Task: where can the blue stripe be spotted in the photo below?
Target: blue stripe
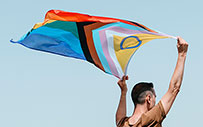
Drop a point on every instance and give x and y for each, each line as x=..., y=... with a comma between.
x=60, y=35
x=49, y=44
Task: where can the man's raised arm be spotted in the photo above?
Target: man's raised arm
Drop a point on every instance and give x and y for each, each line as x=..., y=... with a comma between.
x=121, y=111
x=176, y=80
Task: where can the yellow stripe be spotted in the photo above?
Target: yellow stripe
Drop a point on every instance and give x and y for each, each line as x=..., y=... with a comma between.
x=41, y=24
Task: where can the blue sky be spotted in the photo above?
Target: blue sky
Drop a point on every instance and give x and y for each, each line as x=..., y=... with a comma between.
x=39, y=89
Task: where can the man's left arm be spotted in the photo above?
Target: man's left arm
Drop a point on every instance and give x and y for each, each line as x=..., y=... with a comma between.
x=121, y=111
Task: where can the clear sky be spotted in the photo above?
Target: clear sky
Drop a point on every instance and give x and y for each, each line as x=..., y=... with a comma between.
x=39, y=89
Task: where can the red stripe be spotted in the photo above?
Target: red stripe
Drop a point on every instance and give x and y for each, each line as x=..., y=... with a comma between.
x=78, y=17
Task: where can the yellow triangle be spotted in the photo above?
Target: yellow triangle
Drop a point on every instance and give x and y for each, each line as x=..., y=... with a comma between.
x=126, y=46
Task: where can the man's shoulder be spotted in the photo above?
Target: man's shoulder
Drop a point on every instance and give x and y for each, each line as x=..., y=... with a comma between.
x=156, y=114
x=152, y=117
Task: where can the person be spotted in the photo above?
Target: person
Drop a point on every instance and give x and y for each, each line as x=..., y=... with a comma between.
x=146, y=113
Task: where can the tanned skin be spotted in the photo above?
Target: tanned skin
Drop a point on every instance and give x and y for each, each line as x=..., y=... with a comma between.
x=167, y=100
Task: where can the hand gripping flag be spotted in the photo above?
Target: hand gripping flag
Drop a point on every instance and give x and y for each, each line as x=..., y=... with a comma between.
x=108, y=43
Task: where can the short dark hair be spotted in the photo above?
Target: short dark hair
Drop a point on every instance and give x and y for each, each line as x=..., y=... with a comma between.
x=139, y=92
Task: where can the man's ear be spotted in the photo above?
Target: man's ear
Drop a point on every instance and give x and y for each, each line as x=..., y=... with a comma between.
x=148, y=98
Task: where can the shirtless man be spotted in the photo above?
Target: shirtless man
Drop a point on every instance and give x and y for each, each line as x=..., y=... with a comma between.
x=146, y=113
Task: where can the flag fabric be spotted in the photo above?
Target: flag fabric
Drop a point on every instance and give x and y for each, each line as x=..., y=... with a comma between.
x=108, y=43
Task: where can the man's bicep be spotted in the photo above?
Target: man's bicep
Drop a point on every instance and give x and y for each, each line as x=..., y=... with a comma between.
x=167, y=100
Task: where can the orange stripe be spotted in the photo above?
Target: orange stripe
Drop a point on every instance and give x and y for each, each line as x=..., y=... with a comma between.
x=88, y=32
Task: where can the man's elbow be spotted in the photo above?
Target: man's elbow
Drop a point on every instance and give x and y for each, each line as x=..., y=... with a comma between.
x=174, y=90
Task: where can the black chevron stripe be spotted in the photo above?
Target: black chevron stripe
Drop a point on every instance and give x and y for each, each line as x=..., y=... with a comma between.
x=83, y=40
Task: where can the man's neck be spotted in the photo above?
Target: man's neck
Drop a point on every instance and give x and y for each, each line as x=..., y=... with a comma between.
x=138, y=111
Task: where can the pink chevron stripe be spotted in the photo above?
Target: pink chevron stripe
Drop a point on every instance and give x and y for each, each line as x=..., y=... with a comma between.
x=106, y=53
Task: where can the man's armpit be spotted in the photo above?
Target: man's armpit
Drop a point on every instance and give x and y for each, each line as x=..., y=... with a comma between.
x=121, y=122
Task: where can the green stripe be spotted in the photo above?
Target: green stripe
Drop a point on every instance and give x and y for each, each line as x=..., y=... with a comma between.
x=64, y=25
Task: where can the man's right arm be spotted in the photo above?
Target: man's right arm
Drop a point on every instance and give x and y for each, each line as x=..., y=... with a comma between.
x=176, y=80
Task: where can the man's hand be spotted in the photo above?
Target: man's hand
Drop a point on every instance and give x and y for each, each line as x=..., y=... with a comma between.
x=122, y=84
x=182, y=46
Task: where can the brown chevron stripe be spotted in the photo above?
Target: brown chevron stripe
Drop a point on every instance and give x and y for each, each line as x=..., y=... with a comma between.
x=88, y=32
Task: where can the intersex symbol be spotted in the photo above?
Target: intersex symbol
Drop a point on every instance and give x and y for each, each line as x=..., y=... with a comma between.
x=137, y=45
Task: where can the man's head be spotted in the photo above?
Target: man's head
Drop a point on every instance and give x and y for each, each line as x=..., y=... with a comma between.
x=144, y=93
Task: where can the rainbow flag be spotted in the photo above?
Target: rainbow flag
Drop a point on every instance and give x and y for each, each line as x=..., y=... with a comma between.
x=108, y=43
